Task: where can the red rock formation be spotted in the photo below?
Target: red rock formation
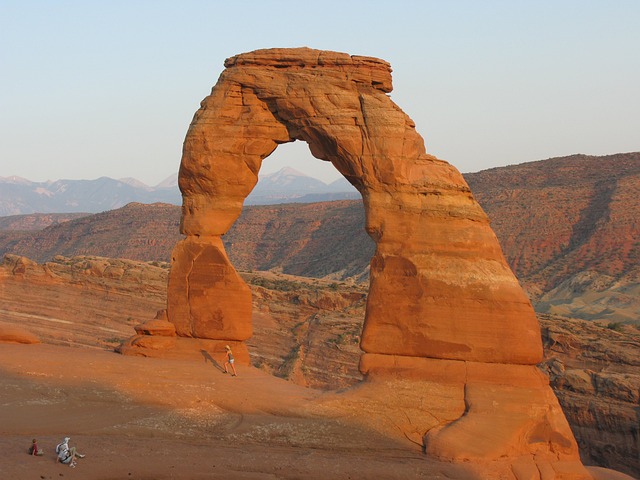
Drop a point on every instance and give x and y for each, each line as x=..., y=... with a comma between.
x=79, y=301
x=218, y=302
x=595, y=372
x=13, y=334
x=439, y=284
x=441, y=297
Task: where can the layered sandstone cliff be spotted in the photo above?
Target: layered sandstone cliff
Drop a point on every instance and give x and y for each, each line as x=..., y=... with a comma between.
x=561, y=217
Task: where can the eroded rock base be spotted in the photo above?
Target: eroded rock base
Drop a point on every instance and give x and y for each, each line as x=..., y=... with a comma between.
x=482, y=412
x=207, y=298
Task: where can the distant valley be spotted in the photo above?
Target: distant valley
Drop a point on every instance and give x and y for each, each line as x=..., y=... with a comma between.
x=568, y=227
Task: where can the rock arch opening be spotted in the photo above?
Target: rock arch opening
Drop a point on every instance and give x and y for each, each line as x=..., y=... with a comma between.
x=439, y=285
x=306, y=261
x=297, y=155
x=298, y=233
x=444, y=312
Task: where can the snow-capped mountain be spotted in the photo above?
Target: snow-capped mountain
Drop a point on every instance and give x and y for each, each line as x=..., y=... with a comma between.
x=21, y=196
x=291, y=186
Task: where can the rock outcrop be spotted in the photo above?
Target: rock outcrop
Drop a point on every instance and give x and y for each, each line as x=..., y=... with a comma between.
x=13, y=334
x=595, y=373
x=79, y=301
x=441, y=297
x=440, y=286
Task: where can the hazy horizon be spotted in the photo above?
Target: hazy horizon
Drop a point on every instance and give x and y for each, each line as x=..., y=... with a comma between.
x=283, y=164
x=263, y=173
x=91, y=89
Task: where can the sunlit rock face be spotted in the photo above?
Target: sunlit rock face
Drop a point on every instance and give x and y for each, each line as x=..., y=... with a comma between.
x=444, y=310
x=440, y=286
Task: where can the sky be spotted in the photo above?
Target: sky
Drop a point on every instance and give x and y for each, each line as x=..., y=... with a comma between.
x=108, y=88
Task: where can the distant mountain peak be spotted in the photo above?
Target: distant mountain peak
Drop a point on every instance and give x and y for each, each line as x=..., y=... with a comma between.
x=19, y=196
x=291, y=171
x=170, y=182
x=16, y=180
x=134, y=182
x=285, y=172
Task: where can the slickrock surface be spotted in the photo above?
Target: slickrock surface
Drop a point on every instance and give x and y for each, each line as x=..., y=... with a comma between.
x=187, y=421
x=80, y=301
x=150, y=418
x=307, y=331
x=13, y=334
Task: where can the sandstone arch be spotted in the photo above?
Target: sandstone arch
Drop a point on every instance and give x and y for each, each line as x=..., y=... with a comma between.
x=440, y=287
x=447, y=326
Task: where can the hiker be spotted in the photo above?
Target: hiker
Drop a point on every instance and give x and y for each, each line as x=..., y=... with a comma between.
x=67, y=455
x=34, y=450
x=229, y=361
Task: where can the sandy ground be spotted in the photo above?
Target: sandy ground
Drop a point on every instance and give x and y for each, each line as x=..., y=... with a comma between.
x=155, y=419
x=141, y=418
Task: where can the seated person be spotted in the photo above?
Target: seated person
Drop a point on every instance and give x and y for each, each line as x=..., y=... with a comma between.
x=34, y=450
x=67, y=455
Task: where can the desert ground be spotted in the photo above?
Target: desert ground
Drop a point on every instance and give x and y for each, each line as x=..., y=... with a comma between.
x=158, y=418
x=148, y=418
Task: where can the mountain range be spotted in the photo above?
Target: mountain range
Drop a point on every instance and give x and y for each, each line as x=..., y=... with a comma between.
x=290, y=186
x=569, y=228
x=20, y=196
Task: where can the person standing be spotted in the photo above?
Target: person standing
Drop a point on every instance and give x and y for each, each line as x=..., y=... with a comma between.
x=230, y=362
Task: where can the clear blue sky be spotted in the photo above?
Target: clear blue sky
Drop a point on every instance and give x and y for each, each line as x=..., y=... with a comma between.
x=108, y=88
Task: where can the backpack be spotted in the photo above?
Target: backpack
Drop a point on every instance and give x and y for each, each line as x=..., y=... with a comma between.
x=62, y=449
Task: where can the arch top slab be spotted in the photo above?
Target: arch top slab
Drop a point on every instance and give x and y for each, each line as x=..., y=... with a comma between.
x=440, y=286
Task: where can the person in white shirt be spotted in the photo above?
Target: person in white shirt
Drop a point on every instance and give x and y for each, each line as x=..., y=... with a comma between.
x=67, y=455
